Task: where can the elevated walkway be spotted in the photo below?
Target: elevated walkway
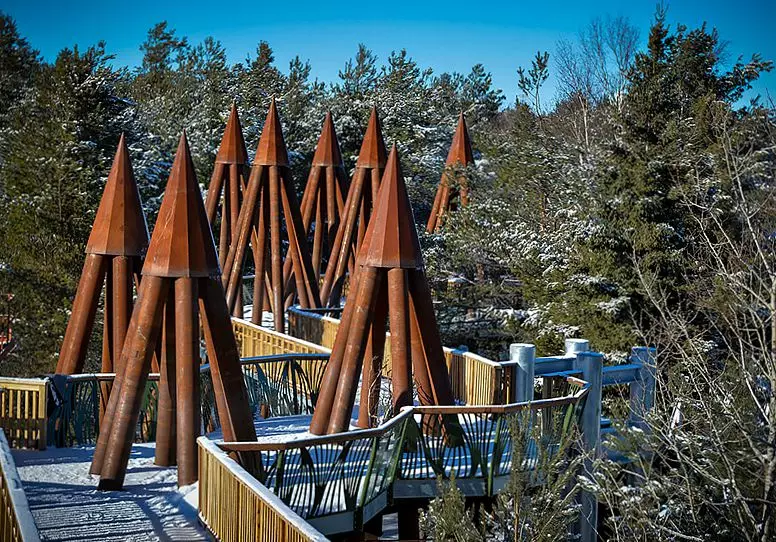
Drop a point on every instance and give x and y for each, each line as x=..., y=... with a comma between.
x=310, y=487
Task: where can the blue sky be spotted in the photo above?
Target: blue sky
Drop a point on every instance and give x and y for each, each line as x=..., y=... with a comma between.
x=447, y=36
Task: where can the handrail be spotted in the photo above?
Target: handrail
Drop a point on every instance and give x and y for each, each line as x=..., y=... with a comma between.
x=154, y=377
x=336, y=438
x=269, y=512
x=405, y=413
x=16, y=521
x=539, y=404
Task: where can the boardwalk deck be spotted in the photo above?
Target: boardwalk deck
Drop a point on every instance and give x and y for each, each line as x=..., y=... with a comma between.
x=67, y=506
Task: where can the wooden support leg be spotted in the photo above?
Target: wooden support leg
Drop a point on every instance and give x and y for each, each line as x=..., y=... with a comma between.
x=401, y=370
x=370, y=281
x=335, y=271
x=428, y=339
x=110, y=410
x=371, y=378
x=122, y=305
x=165, y=421
x=79, y=328
x=275, y=254
x=328, y=388
x=136, y=355
x=227, y=377
x=108, y=329
x=297, y=239
x=187, y=377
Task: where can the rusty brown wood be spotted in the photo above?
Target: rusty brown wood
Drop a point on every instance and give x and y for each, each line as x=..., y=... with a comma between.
x=401, y=370
x=187, y=378
x=270, y=181
x=357, y=208
x=390, y=267
x=182, y=238
x=331, y=376
x=234, y=410
x=459, y=156
x=165, y=448
x=353, y=355
x=137, y=363
x=116, y=243
x=322, y=204
x=373, y=364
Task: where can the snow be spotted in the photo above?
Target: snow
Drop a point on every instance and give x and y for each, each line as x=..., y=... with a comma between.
x=66, y=504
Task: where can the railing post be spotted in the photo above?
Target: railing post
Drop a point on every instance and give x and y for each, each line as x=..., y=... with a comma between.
x=575, y=346
x=525, y=356
x=642, y=391
x=591, y=365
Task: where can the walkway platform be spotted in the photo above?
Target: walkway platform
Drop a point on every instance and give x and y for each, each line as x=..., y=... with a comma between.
x=67, y=506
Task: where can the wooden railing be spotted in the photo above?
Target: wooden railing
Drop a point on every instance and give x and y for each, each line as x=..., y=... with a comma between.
x=16, y=521
x=235, y=507
x=277, y=385
x=23, y=411
x=253, y=340
x=475, y=379
x=338, y=482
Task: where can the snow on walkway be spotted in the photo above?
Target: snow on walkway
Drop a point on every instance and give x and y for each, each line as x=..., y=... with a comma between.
x=67, y=506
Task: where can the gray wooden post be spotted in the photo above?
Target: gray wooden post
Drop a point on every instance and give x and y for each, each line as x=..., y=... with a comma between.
x=642, y=391
x=575, y=346
x=591, y=364
x=525, y=356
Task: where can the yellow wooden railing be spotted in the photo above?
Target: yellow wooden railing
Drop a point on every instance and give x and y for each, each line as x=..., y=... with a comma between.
x=476, y=380
x=235, y=507
x=253, y=340
x=16, y=522
x=23, y=415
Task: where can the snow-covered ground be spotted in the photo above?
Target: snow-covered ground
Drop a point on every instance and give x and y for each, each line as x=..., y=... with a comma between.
x=66, y=504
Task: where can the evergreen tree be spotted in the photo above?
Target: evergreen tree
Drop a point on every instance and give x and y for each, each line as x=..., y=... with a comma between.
x=62, y=139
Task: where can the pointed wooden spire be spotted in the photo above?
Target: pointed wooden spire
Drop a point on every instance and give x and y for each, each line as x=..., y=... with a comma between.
x=179, y=296
x=461, y=147
x=363, y=190
x=390, y=283
x=322, y=203
x=460, y=156
x=272, y=148
x=269, y=201
x=232, y=149
x=327, y=152
x=119, y=226
x=372, y=153
x=114, y=251
x=391, y=239
x=182, y=243
x=230, y=174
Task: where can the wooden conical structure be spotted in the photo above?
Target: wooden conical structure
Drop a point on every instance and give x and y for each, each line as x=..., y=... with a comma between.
x=181, y=282
x=114, y=252
x=269, y=200
x=230, y=175
x=363, y=190
x=390, y=282
x=452, y=181
x=323, y=202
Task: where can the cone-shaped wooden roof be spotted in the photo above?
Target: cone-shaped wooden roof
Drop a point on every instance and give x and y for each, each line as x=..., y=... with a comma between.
x=272, y=148
x=391, y=239
x=182, y=243
x=327, y=153
x=372, y=153
x=232, y=149
x=461, y=148
x=119, y=226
